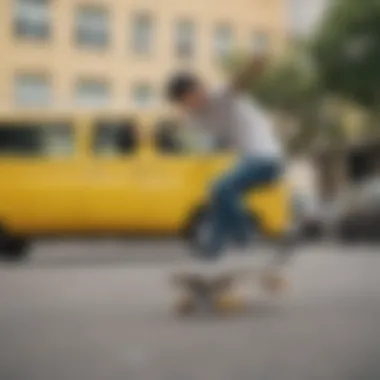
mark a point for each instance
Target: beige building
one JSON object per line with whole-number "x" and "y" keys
{"x": 118, "y": 53}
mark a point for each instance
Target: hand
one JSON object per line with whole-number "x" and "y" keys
{"x": 259, "y": 65}
{"x": 252, "y": 71}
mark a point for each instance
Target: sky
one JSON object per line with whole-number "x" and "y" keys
{"x": 305, "y": 13}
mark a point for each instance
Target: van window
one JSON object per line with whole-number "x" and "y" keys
{"x": 37, "y": 139}
{"x": 115, "y": 138}
{"x": 171, "y": 138}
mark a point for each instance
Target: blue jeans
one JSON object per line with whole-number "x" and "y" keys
{"x": 228, "y": 217}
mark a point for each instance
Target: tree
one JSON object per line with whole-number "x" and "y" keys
{"x": 291, "y": 89}
{"x": 346, "y": 49}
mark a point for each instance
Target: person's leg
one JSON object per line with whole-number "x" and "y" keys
{"x": 250, "y": 174}
{"x": 219, "y": 217}
{"x": 229, "y": 218}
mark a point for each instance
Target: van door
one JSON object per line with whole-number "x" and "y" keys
{"x": 115, "y": 200}
{"x": 42, "y": 177}
{"x": 174, "y": 178}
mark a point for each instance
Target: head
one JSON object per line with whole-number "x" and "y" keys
{"x": 187, "y": 91}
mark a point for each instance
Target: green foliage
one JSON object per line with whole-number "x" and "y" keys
{"x": 347, "y": 50}
{"x": 290, "y": 85}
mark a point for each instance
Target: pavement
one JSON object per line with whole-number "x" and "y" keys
{"x": 103, "y": 310}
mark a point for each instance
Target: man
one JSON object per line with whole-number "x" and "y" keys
{"x": 232, "y": 117}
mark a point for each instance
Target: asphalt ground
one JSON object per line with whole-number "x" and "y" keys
{"x": 103, "y": 310}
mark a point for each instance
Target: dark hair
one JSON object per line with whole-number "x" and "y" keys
{"x": 180, "y": 85}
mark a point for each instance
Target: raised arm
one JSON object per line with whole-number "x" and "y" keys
{"x": 251, "y": 72}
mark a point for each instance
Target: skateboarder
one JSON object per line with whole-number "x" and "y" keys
{"x": 233, "y": 117}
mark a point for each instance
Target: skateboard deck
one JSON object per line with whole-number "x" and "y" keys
{"x": 217, "y": 293}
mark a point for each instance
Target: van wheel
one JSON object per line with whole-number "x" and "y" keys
{"x": 13, "y": 249}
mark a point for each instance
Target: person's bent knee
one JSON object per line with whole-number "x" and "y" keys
{"x": 222, "y": 194}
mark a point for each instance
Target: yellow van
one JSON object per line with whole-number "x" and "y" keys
{"x": 110, "y": 174}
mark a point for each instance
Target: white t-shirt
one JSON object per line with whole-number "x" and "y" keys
{"x": 241, "y": 123}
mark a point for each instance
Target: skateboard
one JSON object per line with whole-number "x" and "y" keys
{"x": 200, "y": 293}
{"x": 218, "y": 293}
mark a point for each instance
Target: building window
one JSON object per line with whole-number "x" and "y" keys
{"x": 92, "y": 27}
{"x": 260, "y": 43}
{"x": 114, "y": 138}
{"x": 142, "y": 34}
{"x": 92, "y": 93}
{"x": 223, "y": 41}
{"x": 184, "y": 39}
{"x": 143, "y": 95}
{"x": 32, "y": 90}
{"x": 36, "y": 139}
{"x": 31, "y": 19}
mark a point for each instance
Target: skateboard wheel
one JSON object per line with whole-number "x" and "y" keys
{"x": 274, "y": 283}
{"x": 230, "y": 303}
{"x": 185, "y": 305}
